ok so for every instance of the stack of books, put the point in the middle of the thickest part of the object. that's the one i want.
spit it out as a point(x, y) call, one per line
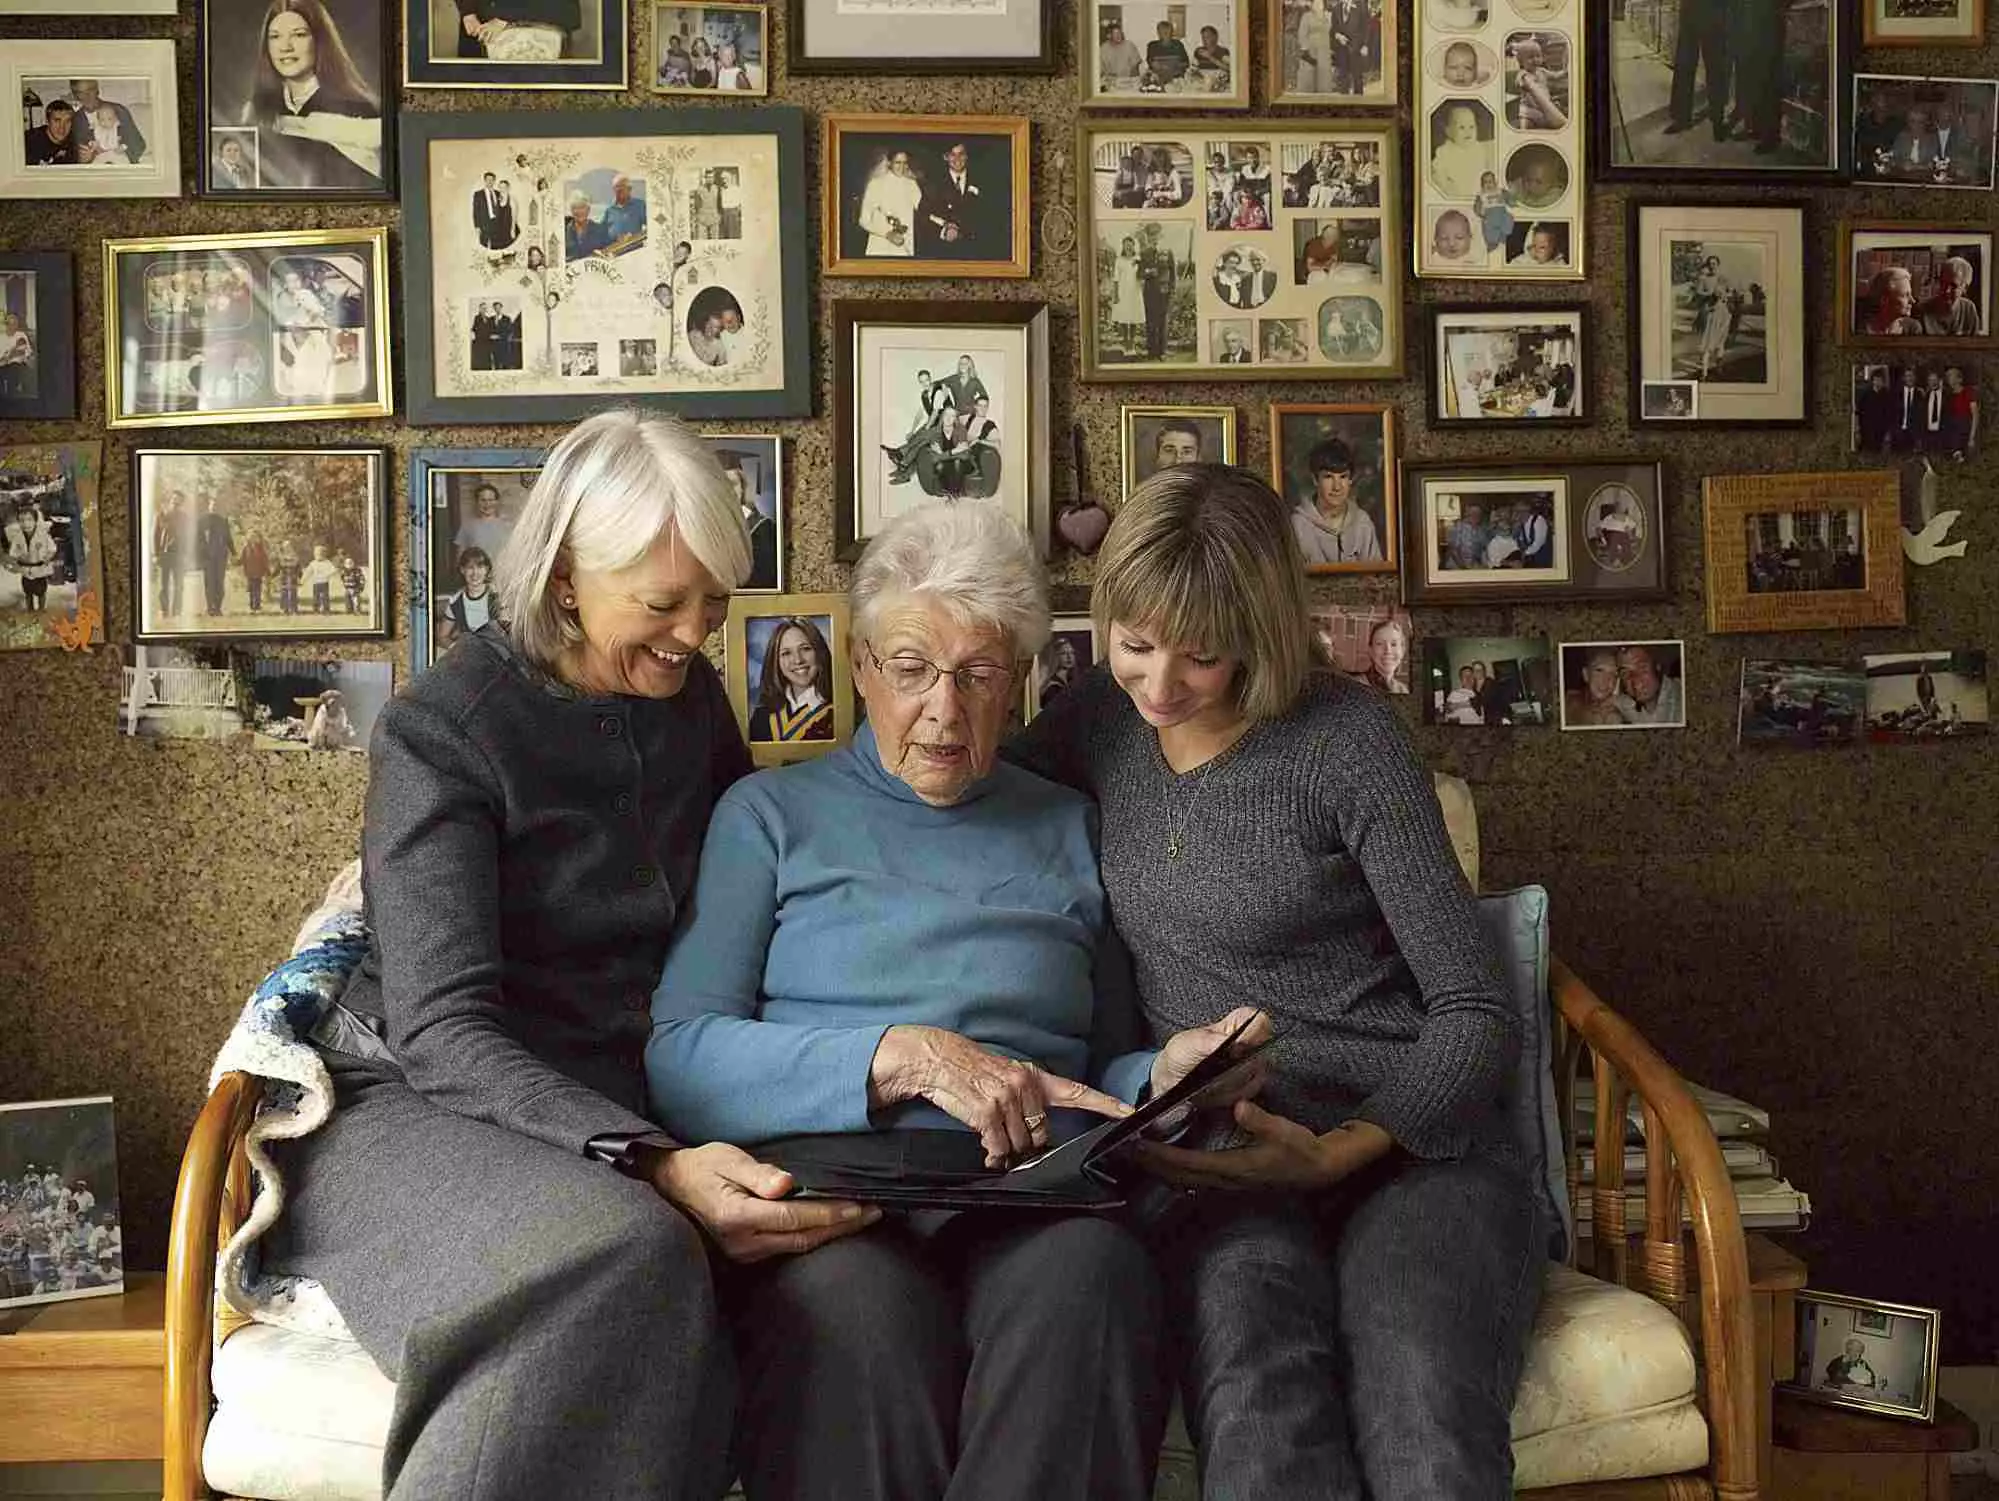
point(1765, 1198)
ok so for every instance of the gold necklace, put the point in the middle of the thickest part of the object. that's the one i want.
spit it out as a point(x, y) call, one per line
point(1173, 844)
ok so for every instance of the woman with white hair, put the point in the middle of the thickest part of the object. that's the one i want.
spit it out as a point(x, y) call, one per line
point(894, 955)
point(489, 1207)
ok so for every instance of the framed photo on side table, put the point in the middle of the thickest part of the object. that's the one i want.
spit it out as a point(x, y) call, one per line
point(926, 195)
point(98, 119)
point(1525, 362)
point(1915, 285)
point(890, 36)
point(1153, 55)
point(481, 44)
point(59, 1160)
point(282, 326)
point(1718, 298)
point(463, 505)
point(259, 543)
point(1334, 465)
point(1924, 132)
point(37, 336)
point(787, 672)
point(1152, 438)
point(1334, 52)
point(1507, 531)
point(1922, 23)
point(1869, 1356)
point(718, 49)
point(1803, 552)
point(654, 255)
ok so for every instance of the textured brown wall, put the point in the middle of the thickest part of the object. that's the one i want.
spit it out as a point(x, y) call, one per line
point(1810, 931)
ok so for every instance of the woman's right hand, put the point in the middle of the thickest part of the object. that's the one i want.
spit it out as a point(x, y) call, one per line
point(741, 1203)
point(1004, 1100)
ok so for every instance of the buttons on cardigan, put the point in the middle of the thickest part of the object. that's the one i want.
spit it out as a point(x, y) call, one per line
point(622, 803)
point(610, 726)
point(644, 875)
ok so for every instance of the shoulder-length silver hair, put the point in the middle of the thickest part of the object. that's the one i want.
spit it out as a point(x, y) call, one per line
point(965, 557)
point(607, 492)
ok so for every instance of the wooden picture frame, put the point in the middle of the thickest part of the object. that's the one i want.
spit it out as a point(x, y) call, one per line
point(38, 295)
point(683, 79)
point(201, 329)
point(1321, 288)
point(1606, 531)
point(1127, 76)
point(139, 80)
point(1877, 29)
point(601, 64)
point(1831, 1321)
point(1810, 580)
point(1143, 440)
point(1470, 339)
point(1869, 249)
point(1297, 69)
point(1365, 432)
point(448, 513)
point(890, 449)
point(950, 232)
point(687, 259)
point(780, 734)
point(1760, 245)
point(283, 514)
point(883, 38)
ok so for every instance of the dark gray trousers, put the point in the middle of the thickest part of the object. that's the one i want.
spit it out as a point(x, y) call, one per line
point(1002, 1359)
point(550, 1325)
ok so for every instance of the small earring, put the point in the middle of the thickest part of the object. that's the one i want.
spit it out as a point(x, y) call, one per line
point(568, 601)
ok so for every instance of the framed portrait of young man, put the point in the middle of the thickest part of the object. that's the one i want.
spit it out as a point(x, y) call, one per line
point(514, 44)
point(462, 507)
point(99, 119)
point(37, 336)
point(1334, 464)
point(1333, 52)
point(1153, 438)
point(925, 195)
point(788, 674)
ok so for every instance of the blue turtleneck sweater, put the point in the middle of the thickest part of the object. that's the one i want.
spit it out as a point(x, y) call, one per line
point(834, 903)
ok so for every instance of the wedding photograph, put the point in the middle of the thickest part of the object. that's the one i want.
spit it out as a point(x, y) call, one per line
point(926, 195)
point(1337, 52)
point(1145, 292)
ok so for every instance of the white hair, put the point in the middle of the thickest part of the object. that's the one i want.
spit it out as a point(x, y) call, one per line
point(1960, 270)
point(607, 492)
point(965, 556)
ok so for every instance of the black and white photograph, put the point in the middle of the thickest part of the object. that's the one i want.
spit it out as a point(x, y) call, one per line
point(1369, 642)
point(1350, 330)
point(788, 676)
point(1929, 408)
point(1147, 173)
point(1926, 695)
point(579, 361)
point(1145, 293)
point(1721, 326)
point(1190, 55)
point(1523, 363)
point(60, 1234)
point(1924, 132)
point(1539, 247)
point(1234, 340)
point(1490, 682)
point(1538, 81)
point(98, 119)
point(296, 704)
point(301, 89)
point(1239, 186)
point(1059, 666)
point(1873, 1357)
point(1333, 51)
point(1459, 149)
point(1156, 438)
point(1334, 465)
point(1243, 276)
point(494, 327)
point(1806, 550)
point(1670, 400)
point(1922, 23)
point(1536, 177)
point(1330, 173)
point(753, 463)
point(949, 415)
point(51, 553)
point(1511, 530)
point(1456, 62)
point(1283, 341)
point(711, 49)
point(514, 44)
point(1907, 283)
point(181, 693)
point(1800, 705)
point(1623, 685)
point(638, 357)
point(927, 195)
point(244, 543)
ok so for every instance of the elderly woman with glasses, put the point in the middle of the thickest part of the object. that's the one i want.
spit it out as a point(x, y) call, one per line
point(903, 942)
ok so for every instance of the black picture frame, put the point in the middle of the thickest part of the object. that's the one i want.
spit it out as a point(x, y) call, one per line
point(610, 71)
point(1585, 374)
point(799, 58)
point(1604, 124)
point(785, 123)
point(206, 146)
point(54, 337)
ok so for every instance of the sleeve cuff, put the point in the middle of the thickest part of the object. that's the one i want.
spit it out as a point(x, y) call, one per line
point(1128, 1076)
point(620, 1149)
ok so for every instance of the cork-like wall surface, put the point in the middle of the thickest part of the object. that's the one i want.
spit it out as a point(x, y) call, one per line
point(1806, 930)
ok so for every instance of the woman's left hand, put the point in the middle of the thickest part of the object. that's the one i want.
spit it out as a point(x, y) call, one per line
point(1280, 1154)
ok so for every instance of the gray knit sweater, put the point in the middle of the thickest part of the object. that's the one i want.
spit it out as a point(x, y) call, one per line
point(1315, 881)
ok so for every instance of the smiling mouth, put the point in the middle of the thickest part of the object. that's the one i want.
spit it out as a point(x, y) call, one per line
point(668, 658)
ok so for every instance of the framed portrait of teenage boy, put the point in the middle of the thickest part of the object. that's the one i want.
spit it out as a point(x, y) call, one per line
point(281, 326)
point(1334, 464)
point(462, 507)
point(514, 44)
point(786, 668)
point(297, 100)
point(925, 195)
point(1333, 52)
point(37, 336)
point(555, 260)
point(99, 119)
point(895, 37)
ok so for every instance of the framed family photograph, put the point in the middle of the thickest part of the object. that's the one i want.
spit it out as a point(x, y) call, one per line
point(1500, 176)
point(1262, 251)
point(99, 119)
point(297, 99)
point(1506, 531)
point(514, 44)
point(1926, 696)
point(1623, 685)
point(462, 507)
point(1334, 464)
point(246, 543)
point(1919, 407)
point(926, 195)
point(1922, 23)
point(1488, 682)
point(61, 1236)
point(1192, 55)
point(37, 336)
point(1072, 650)
point(1152, 438)
point(283, 326)
point(1924, 132)
point(1873, 1357)
point(788, 674)
point(938, 400)
point(1523, 362)
point(1749, 89)
point(1718, 296)
point(1922, 285)
point(554, 260)
point(710, 49)
point(896, 37)
point(1803, 552)
point(51, 550)
point(1334, 52)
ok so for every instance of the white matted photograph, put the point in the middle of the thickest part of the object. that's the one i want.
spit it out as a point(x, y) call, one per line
point(1926, 695)
point(60, 1234)
point(1623, 685)
point(99, 119)
point(1491, 530)
point(1867, 1355)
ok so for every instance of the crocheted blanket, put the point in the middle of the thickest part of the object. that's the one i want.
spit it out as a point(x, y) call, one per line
point(271, 1041)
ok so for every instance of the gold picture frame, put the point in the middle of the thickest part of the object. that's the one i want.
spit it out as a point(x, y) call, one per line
point(1292, 62)
point(1093, 20)
point(755, 74)
point(201, 329)
point(941, 216)
point(782, 731)
point(1826, 553)
point(1865, 1380)
point(1966, 30)
point(1144, 425)
point(1367, 431)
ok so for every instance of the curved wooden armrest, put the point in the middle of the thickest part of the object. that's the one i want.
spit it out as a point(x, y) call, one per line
point(213, 1184)
point(1682, 1157)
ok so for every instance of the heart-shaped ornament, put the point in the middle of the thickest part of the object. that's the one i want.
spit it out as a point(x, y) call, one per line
point(1083, 527)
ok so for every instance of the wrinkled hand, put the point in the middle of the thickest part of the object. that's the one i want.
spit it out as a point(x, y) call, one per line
point(1184, 1050)
point(1280, 1154)
point(1004, 1100)
point(740, 1203)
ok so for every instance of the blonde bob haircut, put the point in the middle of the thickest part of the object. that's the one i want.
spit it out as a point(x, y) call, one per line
point(1202, 556)
point(607, 492)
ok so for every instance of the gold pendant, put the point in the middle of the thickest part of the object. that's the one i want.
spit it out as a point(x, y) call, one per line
point(1173, 846)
